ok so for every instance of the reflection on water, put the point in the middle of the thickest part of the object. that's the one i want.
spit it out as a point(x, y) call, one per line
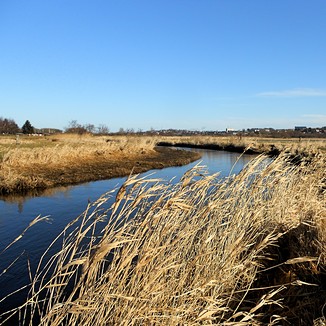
point(64, 204)
point(21, 199)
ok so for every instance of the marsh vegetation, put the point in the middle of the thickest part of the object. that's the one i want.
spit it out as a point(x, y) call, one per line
point(36, 163)
point(244, 250)
point(248, 249)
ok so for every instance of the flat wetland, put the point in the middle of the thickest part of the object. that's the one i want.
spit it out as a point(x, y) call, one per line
point(36, 163)
point(32, 163)
point(247, 249)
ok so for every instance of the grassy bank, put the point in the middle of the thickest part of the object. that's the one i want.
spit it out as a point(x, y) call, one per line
point(248, 250)
point(36, 163)
point(256, 145)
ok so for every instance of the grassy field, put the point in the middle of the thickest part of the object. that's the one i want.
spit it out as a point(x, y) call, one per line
point(256, 144)
point(246, 250)
point(36, 163)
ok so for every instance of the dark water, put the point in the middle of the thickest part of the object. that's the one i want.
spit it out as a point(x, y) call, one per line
point(64, 204)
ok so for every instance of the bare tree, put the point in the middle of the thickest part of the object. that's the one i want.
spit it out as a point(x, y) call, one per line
point(102, 129)
point(8, 126)
point(75, 128)
point(90, 128)
point(121, 131)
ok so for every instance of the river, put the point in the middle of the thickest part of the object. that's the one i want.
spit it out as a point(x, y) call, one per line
point(64, 204)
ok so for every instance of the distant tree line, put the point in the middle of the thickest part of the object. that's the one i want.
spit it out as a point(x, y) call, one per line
point(303, 132)
point(9, 127)
point(77, 128)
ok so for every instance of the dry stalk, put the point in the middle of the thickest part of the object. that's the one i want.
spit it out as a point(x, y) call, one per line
point(186, 253)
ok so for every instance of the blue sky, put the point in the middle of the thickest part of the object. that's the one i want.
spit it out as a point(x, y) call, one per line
point(194, 64)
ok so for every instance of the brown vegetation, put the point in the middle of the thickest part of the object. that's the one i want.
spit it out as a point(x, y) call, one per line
point(35, 163)
point(247, 250)
point(239, 143)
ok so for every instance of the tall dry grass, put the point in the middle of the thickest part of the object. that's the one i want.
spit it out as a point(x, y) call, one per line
point(20, 163)
point(258, 144)
point(200, 252)
point(72, 147)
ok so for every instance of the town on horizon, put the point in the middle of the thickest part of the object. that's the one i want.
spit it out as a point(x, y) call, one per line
point(9, 126)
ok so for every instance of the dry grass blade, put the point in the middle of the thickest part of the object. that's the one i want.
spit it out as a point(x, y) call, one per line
point(248, 249)
point(298, 260)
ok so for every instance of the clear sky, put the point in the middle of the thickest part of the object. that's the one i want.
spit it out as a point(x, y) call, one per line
point(193, 64)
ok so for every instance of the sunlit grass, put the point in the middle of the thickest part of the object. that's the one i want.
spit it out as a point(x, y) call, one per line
point(260, 144)
point(34, 162)
point(27, 163)
point(202, 251)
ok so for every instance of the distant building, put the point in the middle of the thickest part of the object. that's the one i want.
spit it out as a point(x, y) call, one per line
point(49, 131)
point(300, 128)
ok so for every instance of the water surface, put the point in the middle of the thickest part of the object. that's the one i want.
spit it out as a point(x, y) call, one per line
point(63, 205)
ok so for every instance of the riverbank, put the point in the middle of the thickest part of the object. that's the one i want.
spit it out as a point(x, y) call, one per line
point(246, 249)
point(250, 145)
point(38, 177)
point(37, 163)
point(249, 249)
